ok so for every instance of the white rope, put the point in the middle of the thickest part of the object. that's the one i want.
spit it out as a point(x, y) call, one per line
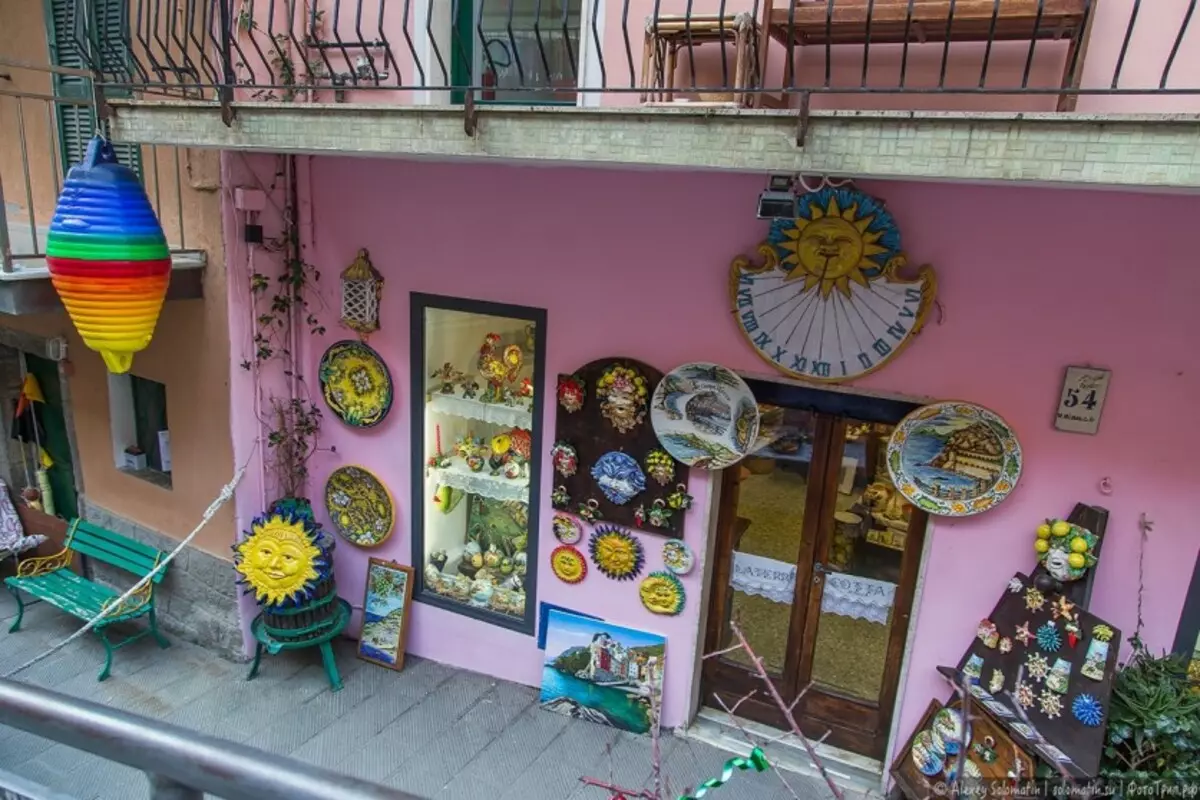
point(222, 498)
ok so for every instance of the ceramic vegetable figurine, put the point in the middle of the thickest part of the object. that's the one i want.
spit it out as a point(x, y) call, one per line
point(1065, 549)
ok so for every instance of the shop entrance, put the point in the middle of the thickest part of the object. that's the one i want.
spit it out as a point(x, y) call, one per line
point(817, 560)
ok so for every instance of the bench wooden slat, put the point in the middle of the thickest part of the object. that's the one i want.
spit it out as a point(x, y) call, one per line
point(85, 527)
point(66, 591)
point(112, 548)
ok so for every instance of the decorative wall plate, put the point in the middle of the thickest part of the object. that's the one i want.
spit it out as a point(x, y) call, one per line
point(928, 754)
point(356, 383)
point(678, 557)
point(619, 477)
point(617, 554)
point(663, 593)
point(566, 529)
point(568, 564)
point(704, 415)
point(954, 459)
point(828, 303)
point(360, 506)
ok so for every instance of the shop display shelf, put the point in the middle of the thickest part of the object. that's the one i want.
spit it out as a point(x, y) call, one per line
point(459, 476)
point(456, 405)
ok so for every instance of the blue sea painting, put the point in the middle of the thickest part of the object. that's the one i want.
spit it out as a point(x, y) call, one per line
point(602, 673)
point(383, 614)
point(928, 443)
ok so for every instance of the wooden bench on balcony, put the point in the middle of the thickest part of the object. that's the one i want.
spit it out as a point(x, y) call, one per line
point(871, 22)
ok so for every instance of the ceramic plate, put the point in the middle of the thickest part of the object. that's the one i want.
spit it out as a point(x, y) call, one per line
point(927, 753)
point(356, 384)
point(948, 726)
point(954, 459)
point(678, 557)
point(704, 415)
point(359, 506)
point(566, 529)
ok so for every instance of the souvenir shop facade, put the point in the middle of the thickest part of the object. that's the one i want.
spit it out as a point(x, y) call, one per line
point(586, 287)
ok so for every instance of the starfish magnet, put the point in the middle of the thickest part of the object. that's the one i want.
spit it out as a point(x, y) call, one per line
point(1062, 607)
point(1037, 666)
point(1024, 695)
point(1051, 704)
point(1023, 635)
point(1034, 600)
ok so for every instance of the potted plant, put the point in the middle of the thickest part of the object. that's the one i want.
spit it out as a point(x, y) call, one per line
point(291, 441)
point(1153, 741)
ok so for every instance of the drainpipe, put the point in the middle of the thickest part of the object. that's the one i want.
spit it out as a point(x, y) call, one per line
point(5, 249)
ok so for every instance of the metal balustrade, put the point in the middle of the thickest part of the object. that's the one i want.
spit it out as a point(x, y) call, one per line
point(557, 50)
point(180, 764)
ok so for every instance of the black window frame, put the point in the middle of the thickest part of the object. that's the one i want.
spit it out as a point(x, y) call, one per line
point(1189, 617)
point(418, 303)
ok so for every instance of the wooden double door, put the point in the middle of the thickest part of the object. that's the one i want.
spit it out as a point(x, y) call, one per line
point(816, 564)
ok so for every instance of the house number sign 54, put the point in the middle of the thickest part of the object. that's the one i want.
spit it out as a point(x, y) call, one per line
point(1082, 400)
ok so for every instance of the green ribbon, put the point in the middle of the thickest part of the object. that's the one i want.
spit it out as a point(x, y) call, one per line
point(757, 762)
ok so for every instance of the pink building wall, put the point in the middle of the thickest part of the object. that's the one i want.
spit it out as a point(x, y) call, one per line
point(634, 264)
point(1149, 48)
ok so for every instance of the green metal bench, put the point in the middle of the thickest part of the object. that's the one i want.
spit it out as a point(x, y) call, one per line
point(50, 579)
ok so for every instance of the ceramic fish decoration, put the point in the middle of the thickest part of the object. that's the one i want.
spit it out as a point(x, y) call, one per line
point(108, 257)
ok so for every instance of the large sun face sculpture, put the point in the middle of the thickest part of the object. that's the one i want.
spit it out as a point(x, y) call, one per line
point(279, 560)
point(832, 247)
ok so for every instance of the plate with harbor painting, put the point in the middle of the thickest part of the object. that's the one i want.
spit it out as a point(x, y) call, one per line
point(954, 459)
point(704, 415)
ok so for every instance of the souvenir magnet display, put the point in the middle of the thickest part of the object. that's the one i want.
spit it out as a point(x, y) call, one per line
point(355, 383)
point(568, 564)
point(1095, 660)
point(1050, 704)
point(679, 500)
point(973, 669)
point(662, 593)
point(954, 459)
point(1037, 667)
point(1062, 608)
point(1015, 586)
point(559, 497)
point(619, 477)
point(987, 633)
point(1102, 633)
point(639, 516)
point(590, 511)
point(996, 682)
point(678, 557)
point(1048, 637)
point(570, 393)
point(616, 554)
point(704, 415)
point(1072, 630)
point(1034, 600)
point(660, 466)
point(660, 515)
point(566, 529)
point(565, 459)
point(1024, 695)
point(1005, 645)
point(1059, 677)
point(623, 392)
point(1023, 635)
point(1087, 710)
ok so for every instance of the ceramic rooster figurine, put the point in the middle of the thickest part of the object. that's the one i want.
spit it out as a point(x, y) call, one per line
point(496, 368)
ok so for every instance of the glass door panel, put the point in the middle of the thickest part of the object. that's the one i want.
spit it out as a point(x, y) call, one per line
point(524, 46)
point(772, 497)
point(858, 568)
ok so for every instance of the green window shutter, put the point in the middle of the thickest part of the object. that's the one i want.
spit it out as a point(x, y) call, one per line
point(77, 123)
point(150, 417)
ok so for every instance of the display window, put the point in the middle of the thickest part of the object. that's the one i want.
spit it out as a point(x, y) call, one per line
point(477, 372)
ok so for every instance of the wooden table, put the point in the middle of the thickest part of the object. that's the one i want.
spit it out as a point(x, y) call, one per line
point(667, 35)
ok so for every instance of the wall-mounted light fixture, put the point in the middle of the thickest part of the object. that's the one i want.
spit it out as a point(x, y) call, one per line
point(778, 201)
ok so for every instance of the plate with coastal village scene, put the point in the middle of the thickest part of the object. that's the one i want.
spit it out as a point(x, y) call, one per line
point(601, 672)
point(954, 459)
point(704, 415)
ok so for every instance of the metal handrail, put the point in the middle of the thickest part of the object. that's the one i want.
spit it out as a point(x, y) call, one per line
point(181, 764)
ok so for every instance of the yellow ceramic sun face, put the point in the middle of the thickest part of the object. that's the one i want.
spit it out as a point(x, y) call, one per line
point(278, 561)
point(568, 565)
point(501, 443)
point(661, 595)
point(832, 248)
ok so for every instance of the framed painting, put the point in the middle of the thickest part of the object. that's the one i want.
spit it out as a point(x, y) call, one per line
point(386, 602)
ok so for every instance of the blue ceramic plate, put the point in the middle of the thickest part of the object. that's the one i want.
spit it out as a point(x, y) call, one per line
point(619, 476)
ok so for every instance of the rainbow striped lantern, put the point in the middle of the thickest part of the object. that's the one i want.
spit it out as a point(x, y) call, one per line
point(108, 257)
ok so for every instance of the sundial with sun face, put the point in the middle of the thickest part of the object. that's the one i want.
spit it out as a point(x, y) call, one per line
point(827, 303)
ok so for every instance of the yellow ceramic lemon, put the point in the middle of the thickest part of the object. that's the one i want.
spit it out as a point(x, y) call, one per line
point(1076, 561)
point(1041, 545)
point(1043, 531)
point(1060, 528)
point(500, 444)
point(1079, 545)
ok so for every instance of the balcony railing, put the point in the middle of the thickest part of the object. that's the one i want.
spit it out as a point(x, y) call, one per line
point(1023, 55)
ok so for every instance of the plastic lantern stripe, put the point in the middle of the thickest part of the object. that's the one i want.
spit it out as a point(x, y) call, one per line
point(108, 257)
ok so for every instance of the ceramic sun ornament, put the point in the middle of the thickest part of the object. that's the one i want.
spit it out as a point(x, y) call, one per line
point(663, 593)
point(568, 564)
point(835, 271)
point(616, 554)
point(280, 560)
point(108, 257)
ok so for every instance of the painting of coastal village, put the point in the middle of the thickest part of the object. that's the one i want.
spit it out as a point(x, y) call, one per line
point(385, 613)
point(601, 672)
point(954, 458)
